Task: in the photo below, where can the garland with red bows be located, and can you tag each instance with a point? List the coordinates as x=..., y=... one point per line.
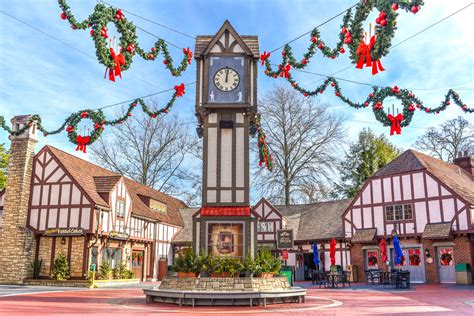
x=84, y=138
x=376, y=98
x=352, y=35
x=263, y=150
x=117, y=62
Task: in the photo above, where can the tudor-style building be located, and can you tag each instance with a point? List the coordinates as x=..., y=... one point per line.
x=90, y=214
x=428, y=203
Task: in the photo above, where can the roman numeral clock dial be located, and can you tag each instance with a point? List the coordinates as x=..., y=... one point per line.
x=226, y=79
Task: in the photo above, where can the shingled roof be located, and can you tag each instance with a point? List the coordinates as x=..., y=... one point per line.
x=364, y=235
x=437, y=231
x=453, y=176
x=94, y=180
x=185, y=235
x=317, y=221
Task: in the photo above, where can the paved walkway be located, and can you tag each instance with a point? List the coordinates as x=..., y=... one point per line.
x=360, y=300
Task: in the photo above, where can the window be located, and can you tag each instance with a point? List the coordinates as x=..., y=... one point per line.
x=112, y=255
x=120, y=226
x=414, y=256
x=158, y=206
x=445, y=256
x=399, y=212
x=120, y=208
x=403, y=259
x=265, y=227
x=225, y=239
x=372, y=258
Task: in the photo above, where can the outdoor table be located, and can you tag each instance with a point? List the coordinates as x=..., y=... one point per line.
x=401, y=279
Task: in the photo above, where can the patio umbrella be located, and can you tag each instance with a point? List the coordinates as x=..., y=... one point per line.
x=398, y=250
x=383, y=250
x=332, y=251
x=316, y=255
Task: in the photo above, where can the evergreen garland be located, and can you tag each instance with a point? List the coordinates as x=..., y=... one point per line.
x=71, y=123
x=98, y=21
x=263, y=150
x=352, y=34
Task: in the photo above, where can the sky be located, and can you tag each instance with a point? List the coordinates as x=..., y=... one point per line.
x=41, y=75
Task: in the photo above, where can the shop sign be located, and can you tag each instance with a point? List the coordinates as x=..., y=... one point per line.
x=285, y=239
x=77, y=231
x=118, y=235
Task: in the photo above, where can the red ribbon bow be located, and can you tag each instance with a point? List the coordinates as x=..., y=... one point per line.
x=264, y=57
x=82, y=141
x=179, y=90
x=119, y=60
x=285, y=71
x=363, y=51
x=189, y=53
x=396, y=123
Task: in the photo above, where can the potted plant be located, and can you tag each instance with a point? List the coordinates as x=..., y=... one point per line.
x=185, y=264
x=235, y=267
x=36, y=265
x=204, y=265
x=250, y=267
x=221, y=268
x=269, y=264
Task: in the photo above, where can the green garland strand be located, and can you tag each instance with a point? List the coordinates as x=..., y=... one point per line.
x=409, y=101
x=71, y=123
x=263, y=150
x=98, y=21
x=352, y=34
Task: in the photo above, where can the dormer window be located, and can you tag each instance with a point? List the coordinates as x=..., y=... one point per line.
x=120, y=208
x=158, y=206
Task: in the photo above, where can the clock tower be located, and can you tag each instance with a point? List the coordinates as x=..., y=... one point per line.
x=226, y=104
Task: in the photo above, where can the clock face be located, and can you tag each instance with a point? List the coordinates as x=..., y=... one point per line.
x=226, y=79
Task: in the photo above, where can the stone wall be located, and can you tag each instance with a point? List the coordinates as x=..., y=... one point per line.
x=45, y=248
x=225, y=284
x=17, y=242
x=77, y=256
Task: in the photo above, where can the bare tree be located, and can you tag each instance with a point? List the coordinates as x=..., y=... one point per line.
x=447, y=140
x=303, y=138
x=155, y=152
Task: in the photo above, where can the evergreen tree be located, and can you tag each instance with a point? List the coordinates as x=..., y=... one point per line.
x=3, y=166
x=364, y=158
x=61, y=268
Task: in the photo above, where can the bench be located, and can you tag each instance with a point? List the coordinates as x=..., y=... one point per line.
x=224, y=297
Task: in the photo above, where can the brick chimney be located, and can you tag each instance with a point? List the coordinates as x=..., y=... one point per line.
x=17, y=242
x=465, y=161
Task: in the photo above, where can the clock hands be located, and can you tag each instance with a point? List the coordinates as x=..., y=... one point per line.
x=226, y=74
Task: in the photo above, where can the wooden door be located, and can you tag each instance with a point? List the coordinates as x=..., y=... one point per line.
x=137, y=263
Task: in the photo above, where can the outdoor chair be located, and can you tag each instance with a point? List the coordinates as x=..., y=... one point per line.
x=345, y=279
x=372, y=276
x=322, y=279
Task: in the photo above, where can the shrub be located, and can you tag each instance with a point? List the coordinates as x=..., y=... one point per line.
x=105, y=271
x=267, y=261
x=186, y=262
x=60, y=268
x=36, y=265
x=127, y=274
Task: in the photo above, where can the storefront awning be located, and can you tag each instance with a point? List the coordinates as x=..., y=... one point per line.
x=437, y=231
x=364, y=235
x=226, y=211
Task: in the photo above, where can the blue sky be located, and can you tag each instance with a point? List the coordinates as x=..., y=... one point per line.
x=40, y=75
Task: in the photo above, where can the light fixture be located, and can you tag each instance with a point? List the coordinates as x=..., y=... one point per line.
x=63, y=241
x=252, y=129
x=200, y=131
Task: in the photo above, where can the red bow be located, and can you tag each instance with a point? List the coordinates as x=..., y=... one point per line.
x=119, y=15
x=264, y=57
x=179, y=90
x=189, y=53
x=396, y=123
x=285, y=71
x=82, y=142
x=363, y=51
x=119, y=60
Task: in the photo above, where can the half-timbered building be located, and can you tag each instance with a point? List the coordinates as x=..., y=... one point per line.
x=428, y=203
x=93, y=215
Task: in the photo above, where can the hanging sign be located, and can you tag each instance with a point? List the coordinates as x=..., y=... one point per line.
x=285, y=239
x=118, y=235
x=284, y=254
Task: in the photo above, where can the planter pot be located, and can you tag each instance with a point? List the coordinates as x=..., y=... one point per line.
x=220, y=275
x=267, y=275
x=204, y=275
x=186, y=274
x=248, y=274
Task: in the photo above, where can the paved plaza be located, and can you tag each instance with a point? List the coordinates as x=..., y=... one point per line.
x=361, y=299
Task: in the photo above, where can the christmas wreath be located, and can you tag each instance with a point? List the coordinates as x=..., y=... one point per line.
x=353, y=35
x=372, y=261
x=415, y=260
x=116, y=62
x=446, y=258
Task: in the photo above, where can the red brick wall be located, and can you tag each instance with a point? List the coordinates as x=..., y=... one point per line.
x=463, y=253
